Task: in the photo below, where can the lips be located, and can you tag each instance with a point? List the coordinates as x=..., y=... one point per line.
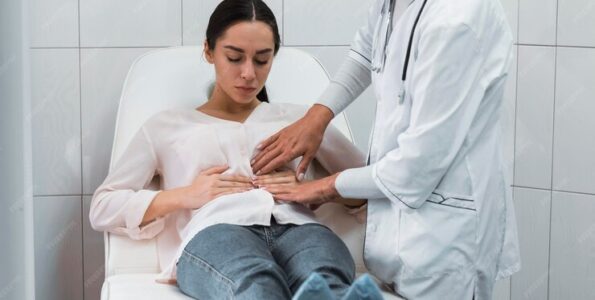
x=246, y=89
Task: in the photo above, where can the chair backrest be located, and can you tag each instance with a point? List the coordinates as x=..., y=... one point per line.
x=180, y=77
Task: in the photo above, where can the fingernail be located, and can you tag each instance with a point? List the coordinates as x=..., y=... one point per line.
x=300, y=177
x=258, y=173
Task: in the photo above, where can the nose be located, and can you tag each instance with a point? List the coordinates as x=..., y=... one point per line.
x=248, y=72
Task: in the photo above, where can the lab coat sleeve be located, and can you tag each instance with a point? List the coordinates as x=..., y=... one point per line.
x=358, y=183
x=354, y=76
x=120, y=203
x=446, y=90
x=361, y=47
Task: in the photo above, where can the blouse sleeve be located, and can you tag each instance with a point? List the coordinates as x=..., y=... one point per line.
x=120, y=203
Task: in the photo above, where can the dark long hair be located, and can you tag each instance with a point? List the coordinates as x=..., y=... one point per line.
x=230, y=12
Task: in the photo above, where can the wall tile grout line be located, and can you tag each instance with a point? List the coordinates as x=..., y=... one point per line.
x=554, y=190
x=549, y=251
x=289, y=45
x=61, y=195
x=283, y=22
x=557, y=46
x=181, y=22
x=516, y=98
x=99, y=47
x=81, y=148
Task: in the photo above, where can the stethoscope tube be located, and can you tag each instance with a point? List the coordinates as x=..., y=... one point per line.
x=409, y=46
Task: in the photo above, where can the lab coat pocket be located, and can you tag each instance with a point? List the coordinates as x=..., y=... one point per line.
x=438, y=238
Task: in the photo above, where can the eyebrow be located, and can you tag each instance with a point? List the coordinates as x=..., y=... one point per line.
x=242, y=50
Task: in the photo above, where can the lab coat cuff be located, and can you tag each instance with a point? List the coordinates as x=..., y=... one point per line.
x=134, y=218
x=336, y=97
x=358, y=183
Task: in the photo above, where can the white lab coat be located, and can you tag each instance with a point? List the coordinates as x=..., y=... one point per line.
x=446, y=229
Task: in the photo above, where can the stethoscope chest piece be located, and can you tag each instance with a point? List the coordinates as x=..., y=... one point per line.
x=402, y=94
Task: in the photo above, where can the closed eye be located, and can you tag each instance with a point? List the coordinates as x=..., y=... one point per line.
x=234, y=60
x=260, y=62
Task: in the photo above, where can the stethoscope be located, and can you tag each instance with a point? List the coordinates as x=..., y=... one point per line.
x=389, y=11
x=379, y=67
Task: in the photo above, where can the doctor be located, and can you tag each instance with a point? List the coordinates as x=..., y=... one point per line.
x=440, y=221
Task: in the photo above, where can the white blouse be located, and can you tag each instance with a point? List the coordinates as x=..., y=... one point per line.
x=177, y=145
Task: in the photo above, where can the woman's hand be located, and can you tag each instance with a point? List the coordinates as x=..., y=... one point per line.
x=211, y=184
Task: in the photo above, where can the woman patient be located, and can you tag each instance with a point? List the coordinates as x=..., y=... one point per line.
x=219, y=232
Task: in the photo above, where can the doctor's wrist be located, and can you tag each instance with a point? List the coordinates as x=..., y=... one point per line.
x=330, y=193
x=320, y=114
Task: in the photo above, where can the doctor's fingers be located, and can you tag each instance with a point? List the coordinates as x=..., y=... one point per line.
x=286, y=173
x=265, y=162
x=292, y=197
x=287, y=178
x=303, y=166
x=277, y=189
x=257, y=159
x=266, y=143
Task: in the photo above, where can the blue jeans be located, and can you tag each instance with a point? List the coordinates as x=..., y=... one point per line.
x=262, y=262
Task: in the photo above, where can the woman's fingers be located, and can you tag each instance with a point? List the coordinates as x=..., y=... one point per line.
x=235, y=178
x=218, y=192
x=234, y=184
x=215, y=170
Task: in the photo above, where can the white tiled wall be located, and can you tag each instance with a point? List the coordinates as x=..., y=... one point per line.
x=81, y=51
x=103, y=71
x=58, y=247
x=534, y=116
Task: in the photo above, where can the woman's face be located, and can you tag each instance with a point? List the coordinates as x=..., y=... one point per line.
x=243, y=57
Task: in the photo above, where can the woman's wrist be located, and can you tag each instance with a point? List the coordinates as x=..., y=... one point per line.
x=164, y=203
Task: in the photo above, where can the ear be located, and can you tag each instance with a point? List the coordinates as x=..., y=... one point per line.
x=208, y=53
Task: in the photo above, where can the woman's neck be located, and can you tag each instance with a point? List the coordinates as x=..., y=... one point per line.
x=222, y=106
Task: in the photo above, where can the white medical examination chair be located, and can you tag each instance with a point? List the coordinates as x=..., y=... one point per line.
x=180, y=77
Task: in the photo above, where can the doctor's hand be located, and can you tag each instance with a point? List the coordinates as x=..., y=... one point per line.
x=275, y=179
x=301, y=138
x=312, y=192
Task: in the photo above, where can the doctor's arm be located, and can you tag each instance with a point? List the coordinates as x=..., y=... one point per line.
x=303, y=137
x=335, y=154
x=446, y=91
x=446, y=94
